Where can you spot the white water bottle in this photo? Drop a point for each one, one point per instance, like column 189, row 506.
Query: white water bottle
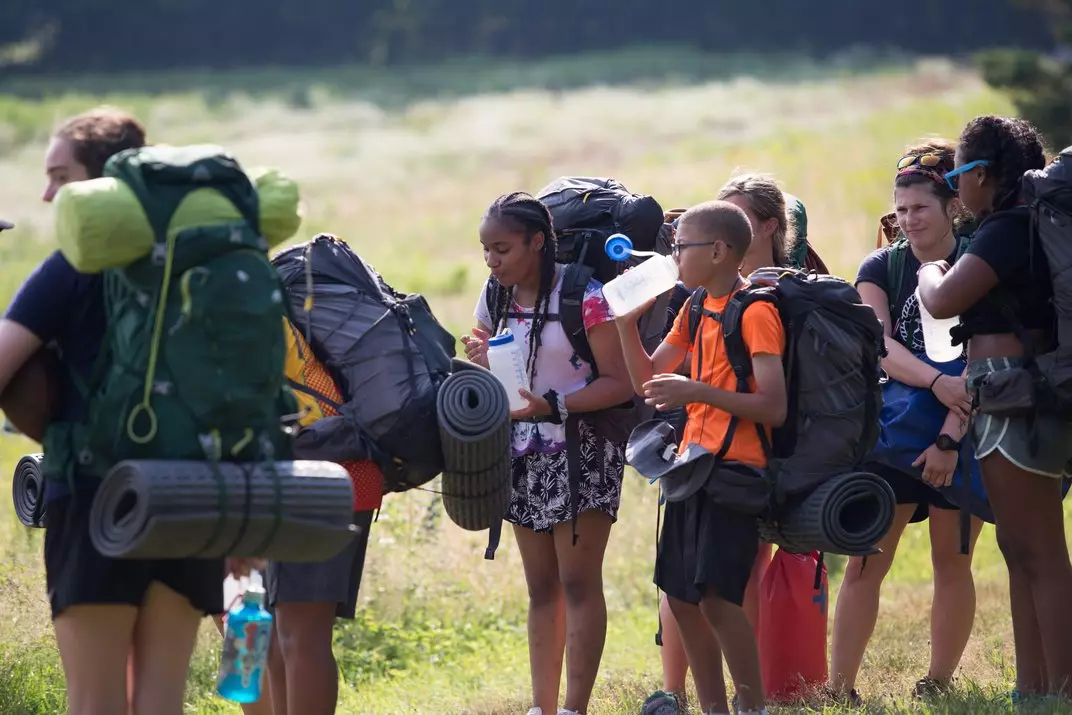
column 648, row 280
column 507, row 363
column 937, row 342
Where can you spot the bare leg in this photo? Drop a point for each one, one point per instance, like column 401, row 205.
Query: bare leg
column 704, row 655
column 857, row 605
column 738, row 642
column 304, row 631
column 164, row 639
column 547, row 617
column 580, row 569
column 95, row 644
column 675, row 663
column 953, row 606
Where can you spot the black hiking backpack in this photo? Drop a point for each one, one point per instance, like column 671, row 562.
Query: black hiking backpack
column 833, row 347
column 1048, row 193
column 386, row 352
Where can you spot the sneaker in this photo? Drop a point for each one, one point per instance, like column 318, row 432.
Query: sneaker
column 564, row 711
column 663, row 703
column 535, row 711
column 929, row 687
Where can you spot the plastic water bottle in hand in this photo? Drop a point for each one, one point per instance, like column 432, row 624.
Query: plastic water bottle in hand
column 650, row 279
column 937, row 342
column 507, row 363
column 245, row 645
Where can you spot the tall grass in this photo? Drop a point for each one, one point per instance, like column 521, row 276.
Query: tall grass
column 440, row 629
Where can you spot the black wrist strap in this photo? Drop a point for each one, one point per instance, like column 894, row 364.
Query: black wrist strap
column 552, row 399
column 935, row 380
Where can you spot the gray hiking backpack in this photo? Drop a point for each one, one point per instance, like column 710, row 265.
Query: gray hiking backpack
column 1048, row 193
column 834, row 345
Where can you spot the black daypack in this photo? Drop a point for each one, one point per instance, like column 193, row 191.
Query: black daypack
column 834, row 345
column 1048, row 193
column 386, row 352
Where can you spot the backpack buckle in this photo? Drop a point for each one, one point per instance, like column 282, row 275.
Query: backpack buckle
column 159, row 254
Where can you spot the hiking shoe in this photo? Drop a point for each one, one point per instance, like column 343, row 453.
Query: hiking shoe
column 535, row 711
column 929, row 687
column 663, row 703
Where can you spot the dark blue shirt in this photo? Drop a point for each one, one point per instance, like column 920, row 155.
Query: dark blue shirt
column 64, row 308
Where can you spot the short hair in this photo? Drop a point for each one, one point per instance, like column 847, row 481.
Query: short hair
column 721, row 221
column 99, row 134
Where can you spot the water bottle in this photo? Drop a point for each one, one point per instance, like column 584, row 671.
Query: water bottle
column 245, row 646
column 507, row 363
column 937, row 342
column 648, row 280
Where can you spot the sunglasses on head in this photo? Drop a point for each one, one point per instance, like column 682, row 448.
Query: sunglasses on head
column 952, row 178
column 929, row 160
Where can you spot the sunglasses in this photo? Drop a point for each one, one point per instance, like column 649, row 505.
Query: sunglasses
column 929, row 160
column 952, row 179
column 676, row 248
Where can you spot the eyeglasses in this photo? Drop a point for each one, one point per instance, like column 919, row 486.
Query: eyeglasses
column 929, row 160
column 952, row 179
column 677, row 247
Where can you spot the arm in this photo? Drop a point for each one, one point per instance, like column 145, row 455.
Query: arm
column 639, row 365
column 768, row 405
column 612, row 387
column 17, row 345
column 900, row 363
column 949, row 293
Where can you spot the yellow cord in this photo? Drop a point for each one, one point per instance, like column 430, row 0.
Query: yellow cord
column 154, row 349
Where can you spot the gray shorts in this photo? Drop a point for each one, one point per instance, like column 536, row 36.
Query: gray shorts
column 1012, row 436
column 336, row 580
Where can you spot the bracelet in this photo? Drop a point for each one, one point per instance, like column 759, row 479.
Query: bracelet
column 934, row 382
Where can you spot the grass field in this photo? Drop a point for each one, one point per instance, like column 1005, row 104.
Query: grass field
column 403, row 166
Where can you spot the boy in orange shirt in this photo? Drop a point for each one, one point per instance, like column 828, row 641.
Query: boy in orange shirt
column 706, row 550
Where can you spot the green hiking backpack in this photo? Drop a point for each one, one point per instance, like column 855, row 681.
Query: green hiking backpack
column 191, row 366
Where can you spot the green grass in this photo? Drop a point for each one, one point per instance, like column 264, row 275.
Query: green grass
column 405, row 180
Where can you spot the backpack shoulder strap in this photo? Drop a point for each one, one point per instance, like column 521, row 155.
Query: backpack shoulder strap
column 962, row 245
column 575, row 280
column 895, row 264
column 489, row 302
column 696, row 310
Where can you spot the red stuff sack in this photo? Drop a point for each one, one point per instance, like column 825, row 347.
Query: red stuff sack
column 792, row 608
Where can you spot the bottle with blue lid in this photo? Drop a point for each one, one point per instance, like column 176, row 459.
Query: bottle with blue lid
column 507, row 362
column 655, row 276
column 245, row 646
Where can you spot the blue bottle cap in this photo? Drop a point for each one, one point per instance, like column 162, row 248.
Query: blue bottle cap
column 503, row 338
column 618, row 247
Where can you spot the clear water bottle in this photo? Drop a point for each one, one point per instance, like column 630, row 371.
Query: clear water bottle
column 507, row 363
column 937, row 342
column 650, row 279
column 245, row 646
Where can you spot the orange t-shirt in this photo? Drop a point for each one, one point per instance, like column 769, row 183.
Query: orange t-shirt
column 761, row 328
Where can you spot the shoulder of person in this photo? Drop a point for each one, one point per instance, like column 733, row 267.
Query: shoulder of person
column 1016, row 219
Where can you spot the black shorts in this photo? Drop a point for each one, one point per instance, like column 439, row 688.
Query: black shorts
column 78, row 575
column 703, row 546
column 336, row 580
column 911, row 490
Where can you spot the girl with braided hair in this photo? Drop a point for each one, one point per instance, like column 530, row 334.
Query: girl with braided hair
column 1002, row 292
column 561, row 543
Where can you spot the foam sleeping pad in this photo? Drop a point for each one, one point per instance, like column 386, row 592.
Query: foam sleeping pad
column 285, row 511
column 845, row 515
column 100, row 224
column 474, row 427
column 28, row 490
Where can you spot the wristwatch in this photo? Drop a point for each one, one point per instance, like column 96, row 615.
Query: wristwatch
column 947, row 443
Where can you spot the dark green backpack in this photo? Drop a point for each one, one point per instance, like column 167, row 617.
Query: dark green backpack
column 191, row 366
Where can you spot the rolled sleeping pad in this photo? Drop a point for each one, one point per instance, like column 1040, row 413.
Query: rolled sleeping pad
column 474, row 427
column 846, row 515
column 28, row 490
column 171, row 509
column 100, row 224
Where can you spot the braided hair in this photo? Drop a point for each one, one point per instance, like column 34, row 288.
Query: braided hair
column 531, row 216
column 1012, row 146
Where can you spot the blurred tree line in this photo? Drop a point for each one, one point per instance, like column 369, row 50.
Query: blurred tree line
column 1040, row 85
column 101, row 35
